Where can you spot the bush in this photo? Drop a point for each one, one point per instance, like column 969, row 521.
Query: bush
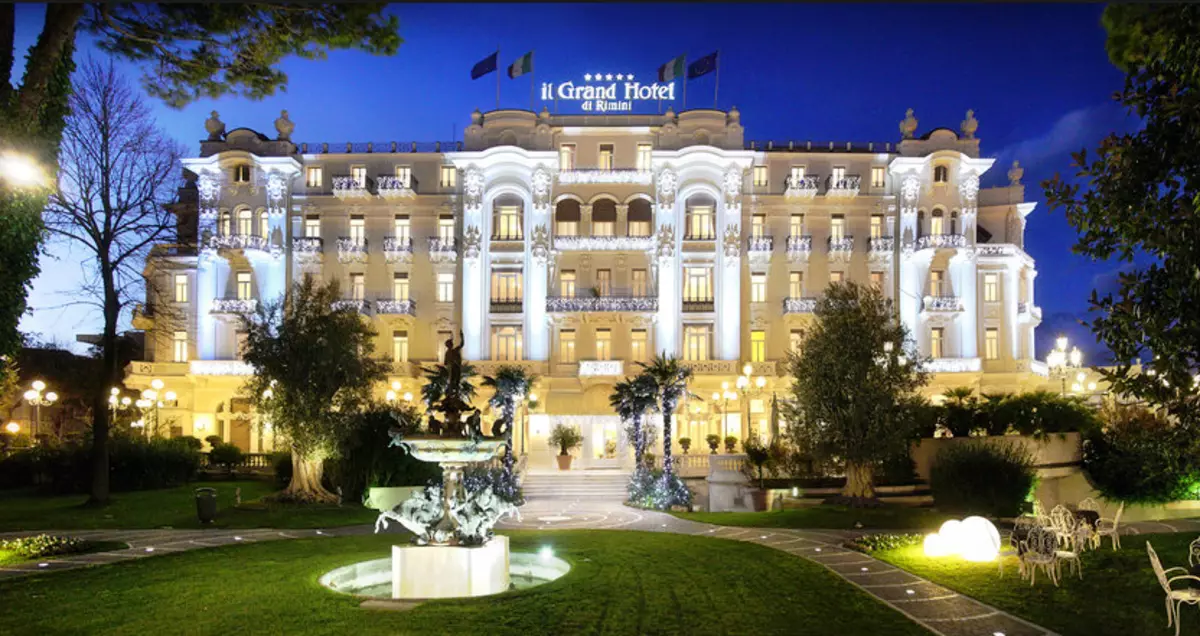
column 189, row 442
column 281, row 461
column 730, row 443
column 43, row 545
column 874, row 542
column 366, row 459
column 1140, row 457
column 213, row 440
column 478, row 477
column 759, row 459
column 652, row 489
column 226, row 455
column 135, row 463
column 982, row 478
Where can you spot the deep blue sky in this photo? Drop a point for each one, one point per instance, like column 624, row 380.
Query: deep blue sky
column 1036, row 75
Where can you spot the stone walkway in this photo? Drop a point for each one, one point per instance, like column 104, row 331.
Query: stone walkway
column 938, row 609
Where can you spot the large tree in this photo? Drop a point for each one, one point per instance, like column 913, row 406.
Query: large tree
column 667, row 380
column 313, row 372
column 1139, row 204
column 632, row 399
column 118, row 173
column 852, row 384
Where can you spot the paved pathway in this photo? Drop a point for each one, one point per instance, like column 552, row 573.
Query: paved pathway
column 938, row 609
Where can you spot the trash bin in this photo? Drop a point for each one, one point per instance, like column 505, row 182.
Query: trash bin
column 206, row 504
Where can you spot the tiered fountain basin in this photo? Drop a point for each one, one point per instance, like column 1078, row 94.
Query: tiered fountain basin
column 374, row 579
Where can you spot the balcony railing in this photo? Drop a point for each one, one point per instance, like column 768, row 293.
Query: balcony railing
column 847, row 186
column 1032, row 311
column 702, row 235
column 405, row 307
column 397, row 249
column 603, row 243
column 694, row 305
column 939, row 241
column 840, row 247
column 507, row 306
column 602, row 368
column 596, row 175
column 953, row 365
column 760, row 244
column 389, row 186
column 881, row 246
column 307, row 245
column 351, row 249
column 799, row 305
column 442, row 249
column 507, row 236
column 804, row 187
column 347, row 187
column 238, row 242
column 942, row 303
column 361, row 306
column 711, row 367
column 565, row 304
column 799, row 247
column 234, row 306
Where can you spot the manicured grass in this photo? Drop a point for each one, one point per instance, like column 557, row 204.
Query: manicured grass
column 621, row 583
column 827, row 517
column 8, row 557
column 1118, row 593
column 173, row 507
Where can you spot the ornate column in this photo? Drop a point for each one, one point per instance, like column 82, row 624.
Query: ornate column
column 666, row 265
column 622, row 228
column 912, row 267
column 539, row 254
column 964, row 274
column 729, row 269
column 585, row 219
column 968, row 190
column 472, row 300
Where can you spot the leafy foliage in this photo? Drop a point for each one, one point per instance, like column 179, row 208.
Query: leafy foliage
column 135, row 463
column 437, row 378
column 1141, row 204
column 1140, row 456
column 760, row 458
column 667, row 380
column 632, row 399
column 565, row 438
column 658, row 490
column 364, row 458
column 1035, row 413
column 226, row 455
column 886, row 541
column 510, row 383
column 984, row 478
column 42, row 545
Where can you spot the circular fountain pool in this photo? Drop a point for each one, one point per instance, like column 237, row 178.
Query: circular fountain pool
column 373, row 579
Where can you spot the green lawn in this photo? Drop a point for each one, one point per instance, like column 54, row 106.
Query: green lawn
column 173, row 507
column 1118, row 593
column 621, row 583
column 827, row 517
column 8, row 557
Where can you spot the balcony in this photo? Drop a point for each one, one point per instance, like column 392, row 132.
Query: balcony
column 143, row 317
column 799, row 247
column 601, row 368
column 881, row 247
column 846, row 187
column 840, row 247
column 238, row 242
column 307, row 247
column 506, row 306
column 397, row 307
column 233, row 306
column 941, row 241
column 703, row 235
column 799, row 305
column 942, row 304
column 352, row 250
column 392, row 187
column 347, row 187
column 490, row 367
column 353, row 304
column 565, row 304
column 603, row 243
column 802, row 188
column 953, row 365
column 596, row 175
column 760, row 244
column 1027, row 311
column 711, row 367
column 397, row 250
column 697, row 305
column 442, row 250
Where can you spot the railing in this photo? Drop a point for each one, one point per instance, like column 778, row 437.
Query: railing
column 507, row 307
column 442, row 248
column 953, row 365
column 697, row 306
column 307, row 245
column 799, row 246
column 406, row 306
column 390, row 186
column 249, row 460
column 603, row 243
column 565, row 304
column 760, row 244
column 708, row 235
column 166, row 250
column 847, row 186
column 593, row 368
column 711, row 367
column 489, row 367
column 351, row 248
column 238, row 242
column 361, row 306
column 395, row 249
column 596, row 175
column 942, row 303
column 881, row 245
column 219, row 367
column 804, row 187
column 799, row 305
column 346, row 187
column 690, row 464
column 936, row 241
column 818, row 146
column 377, row 147
column 766, row 368
column 233, row 306
column 515, row 236
column 841, row 246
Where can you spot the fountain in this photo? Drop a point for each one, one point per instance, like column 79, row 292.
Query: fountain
column 454, row 552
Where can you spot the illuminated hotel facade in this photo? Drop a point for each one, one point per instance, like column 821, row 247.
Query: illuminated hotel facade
column 576, row 245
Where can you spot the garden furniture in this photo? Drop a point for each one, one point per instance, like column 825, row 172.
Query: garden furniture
column 1039, row 550
column 1175, row 597
column 1110, row 528
column 1063, row 522
column 1194, row 553
column 1020, row 531
column 1081, row 536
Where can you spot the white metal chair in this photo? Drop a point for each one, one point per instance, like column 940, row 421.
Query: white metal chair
column 1110, row 528
column 1194, row 553
column 1080, row 539
column 1087, row 503
column 1063, row 522
column 1175, row 597
column 1021, row 527
column 1039, row 551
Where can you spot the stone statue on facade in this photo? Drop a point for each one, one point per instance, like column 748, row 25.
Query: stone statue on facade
column 215, row 127
column 284, row 127
column 908, row 125
column 1015, row 173
column 970, row 125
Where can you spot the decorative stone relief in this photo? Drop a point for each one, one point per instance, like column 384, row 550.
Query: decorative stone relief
column 539, row 245
column 732, row 186
column 209, row 188
column 473, row 188
column 541, row 187
column 276, row 193
column 472, row 243
column 667, row 184
column 968, row 188
column 733, row 245
column 665, row 249
column 908, row 125
column 910, row 188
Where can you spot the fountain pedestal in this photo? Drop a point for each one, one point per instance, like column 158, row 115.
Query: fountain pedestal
column 450, row 571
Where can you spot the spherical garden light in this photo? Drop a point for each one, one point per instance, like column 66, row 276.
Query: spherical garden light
column 974, row 539
column 13, row 428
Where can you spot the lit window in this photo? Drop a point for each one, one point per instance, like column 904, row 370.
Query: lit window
column 797, row 176
column 243, row 286
column 506, row 343
column 604, row 344
column 181, row 288
column 399, row 346
column 358, row 286
column 941, row 174
column 695, row 342
column 566, row 284
column 796, row 225
column 400, row 286
column 758, row 288
column 245, row 222
column 698, row 284
column 936, row 278
column 449, row 177
column 566, row 157
column 638, row 345
column 442, row 337
column 606, row 157
column 700, row 223
column 991, row 288
column 835, row 277
column 604, row 282
column 991, row 343
column 506, row 287
column 403, row 230
column 179, row 342
column 566, row 346
column 758, row 225
column 878, row 174
column 312, row 227
column 838, row 176
column 264, row 225
column 758, row 346
column 603, row 227
column 225, row 228
column 837, row 228
column 876, row 226
column 445, row 287
column 446, row 229
column 796, row 340
column 937, row 223
column 312, row 177
column 637, row 279
column 358, row 229
column 508, row 223
column 645, row 156
column 936, row 341
column 877, row 280
column 760, row 176
column 359, row 175
column 404, row 175
column 795, row 284
column 241, row 173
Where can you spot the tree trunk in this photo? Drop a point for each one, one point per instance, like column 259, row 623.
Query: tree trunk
column 305, row 486
column 510, row 417
column 667, row 467
column 111, row 377
column 57, row 30
column 639, row 441
column 860, row 481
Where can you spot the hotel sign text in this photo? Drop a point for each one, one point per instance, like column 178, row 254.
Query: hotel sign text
column 601, row 94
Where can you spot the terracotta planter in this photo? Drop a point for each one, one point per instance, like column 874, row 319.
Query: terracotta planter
column 564, row 462
column 759, row 499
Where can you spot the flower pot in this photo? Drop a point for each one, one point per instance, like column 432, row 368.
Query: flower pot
column 758, row 498
column 564, row 462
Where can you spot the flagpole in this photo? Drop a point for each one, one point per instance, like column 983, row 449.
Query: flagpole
column 717, row 82
column 497, row 78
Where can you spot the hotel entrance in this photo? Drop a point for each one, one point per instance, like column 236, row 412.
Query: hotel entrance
column 604, row 443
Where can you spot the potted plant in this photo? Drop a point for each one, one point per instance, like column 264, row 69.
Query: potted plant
column 565, row 438
column 758, row 461
column 713, row 440
column 685, row 443
column 730, row 444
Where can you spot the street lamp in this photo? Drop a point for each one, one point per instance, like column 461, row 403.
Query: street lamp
column 1061, row 362
column 21, row 171
column 13, row 427
column 37, row 399
column 747, row 387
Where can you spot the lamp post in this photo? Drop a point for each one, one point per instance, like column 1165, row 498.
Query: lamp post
column 116, row 403
column 37, row 399
column 1061, row 362
column 747, row 388
column 155, row 397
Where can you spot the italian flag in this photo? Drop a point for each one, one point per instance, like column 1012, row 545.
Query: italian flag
column 671, row 70
column 523, row 65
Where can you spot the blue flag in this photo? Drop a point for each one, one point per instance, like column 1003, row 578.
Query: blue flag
column 703, row 66
column 485, row 66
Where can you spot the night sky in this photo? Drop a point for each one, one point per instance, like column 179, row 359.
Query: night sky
column 1036, row 76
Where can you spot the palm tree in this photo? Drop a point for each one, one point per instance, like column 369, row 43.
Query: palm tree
column 438, row 377
column 631, row 398
column 508, row 384
column 669, row 380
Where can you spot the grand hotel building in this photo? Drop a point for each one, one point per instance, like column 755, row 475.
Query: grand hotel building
column 575, row 245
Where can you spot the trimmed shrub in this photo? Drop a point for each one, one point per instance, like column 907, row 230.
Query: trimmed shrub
column 134, row 464
column 982, row 478
column 873, row 542
column 1140, row 457
column 365, row 457
column 226, row 455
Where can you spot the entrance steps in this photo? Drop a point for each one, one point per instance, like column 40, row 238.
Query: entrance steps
column 607, row 485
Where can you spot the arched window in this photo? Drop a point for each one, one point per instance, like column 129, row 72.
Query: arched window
column 604, row 218
column 245, row 226
column 941, row 174
column 937, row 222
column 701, row 218
column 264, row 225
column 225, row 228
column 566, row 218
column 641, row 219
column 507, row 218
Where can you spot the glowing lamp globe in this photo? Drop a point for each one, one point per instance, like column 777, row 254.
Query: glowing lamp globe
column 38, row 385
column 936, row 546
column 979, row 541
column 13, row 427
column 951, row 533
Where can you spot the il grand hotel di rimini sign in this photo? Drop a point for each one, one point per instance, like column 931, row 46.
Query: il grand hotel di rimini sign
column 607, row 92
